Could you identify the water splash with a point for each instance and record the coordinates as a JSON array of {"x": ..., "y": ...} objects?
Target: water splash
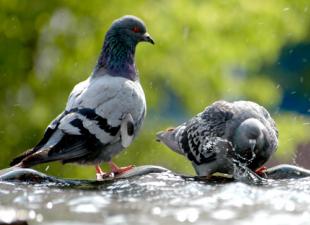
[{"x": 161, "y": 198}]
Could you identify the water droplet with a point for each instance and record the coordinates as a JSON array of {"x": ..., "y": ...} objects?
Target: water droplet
[
  {"x": 85, "y": 208},
  {"x": 7, "y": 215},
  {"x": 223, "y": 214},
  {"x": 301, "y": 79},
  {"x": 32, "y": 214},
  {"x": 46, "y": 168},
  {"x": 189, "y": 214},
  {"x": 156, "y": 211},
  {"x": 289, "y": 206},
  {"x": 49, "y": 205},
  {"x": 39, "y": 218}
]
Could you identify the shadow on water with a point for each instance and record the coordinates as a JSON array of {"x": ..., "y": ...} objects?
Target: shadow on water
[{"x": 156, "y": 197}]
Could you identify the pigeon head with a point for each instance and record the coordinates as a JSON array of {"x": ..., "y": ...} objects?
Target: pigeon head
[
  {"x": 169, "y": 137},
  {"x": 131, "y": 30},
  {"x": 249, "y": 137},
  {"x": 118, "y": 52}
]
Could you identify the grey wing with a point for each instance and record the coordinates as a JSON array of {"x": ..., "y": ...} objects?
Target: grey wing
[
  {"x": 271, "y": 122},
  {"x": 198, "y": 138},
  {"x": 216, "y": 156},
  {"x": 111, "y": 99},
  {"x": 197, "y": 145},
  {"x": 50, "y": 130},
  {"x": 80, "y": 130},
  {"x": 216, "y": 147},
  {"x": 273, "y": 134},
  {"x": 86, "y": 132},
  {"x": 79, "y": 136},
  {"x": 216, "y": 116}
]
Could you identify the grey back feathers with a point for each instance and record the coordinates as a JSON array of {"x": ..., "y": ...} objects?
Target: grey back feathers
[{"x": 247, "y": 126}]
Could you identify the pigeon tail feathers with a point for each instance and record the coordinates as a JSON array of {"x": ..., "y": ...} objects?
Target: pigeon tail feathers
[{"x": 16, "y": 161}]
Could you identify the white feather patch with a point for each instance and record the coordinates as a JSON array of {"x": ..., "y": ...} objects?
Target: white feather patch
[
  {"x": 126, "y": 137},
  {"x": 67, "y": 127}
]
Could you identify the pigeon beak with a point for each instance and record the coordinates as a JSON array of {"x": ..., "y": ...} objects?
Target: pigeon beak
[
  {"x": 147, "y": 38},
  {"x": 159, "y": 136},
  {"x": 252, "y": 143}
]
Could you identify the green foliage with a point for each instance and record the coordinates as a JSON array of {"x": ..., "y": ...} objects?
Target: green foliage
[{"x": 205, "y": 51}]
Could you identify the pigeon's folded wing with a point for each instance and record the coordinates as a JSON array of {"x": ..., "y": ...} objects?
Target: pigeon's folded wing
[{"x": 90, "y": 121}]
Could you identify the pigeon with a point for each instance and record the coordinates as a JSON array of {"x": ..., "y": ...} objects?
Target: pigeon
[
  {"x": 104, "y": 113},
  {"x": 223, "y": 134}
]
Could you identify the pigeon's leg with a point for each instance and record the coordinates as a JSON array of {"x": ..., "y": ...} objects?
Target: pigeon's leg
[
  {"x": 100, "y": 174},
  {"x": 261, "y": 170},
  {"x": 119, "y": 170}
]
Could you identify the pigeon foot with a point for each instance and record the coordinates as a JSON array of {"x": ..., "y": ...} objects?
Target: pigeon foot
[
  {"x": 261, "y": 171},
  {"x": 119, "y": 170},
  {"x": 100, "y": 175}
]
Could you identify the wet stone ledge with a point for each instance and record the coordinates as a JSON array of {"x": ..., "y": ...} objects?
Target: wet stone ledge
[{"x": 31, "y": 176}]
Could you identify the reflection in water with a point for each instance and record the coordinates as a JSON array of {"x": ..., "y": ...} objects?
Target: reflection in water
[{"x": 159, "y": 199}]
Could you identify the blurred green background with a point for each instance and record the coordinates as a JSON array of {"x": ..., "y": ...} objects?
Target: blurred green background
[{"x": 205, "y": 51}]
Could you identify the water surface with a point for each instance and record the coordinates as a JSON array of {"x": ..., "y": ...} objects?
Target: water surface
[{"x": 159, "y": 198}]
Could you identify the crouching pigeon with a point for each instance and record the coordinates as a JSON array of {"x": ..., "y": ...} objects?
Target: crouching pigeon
[
  {"x": 103, "y": 113},
  {"x": 240, "y": 131}
]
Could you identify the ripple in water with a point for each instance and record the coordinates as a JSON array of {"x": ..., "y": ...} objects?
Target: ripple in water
[{"x": 159, "y": 199}]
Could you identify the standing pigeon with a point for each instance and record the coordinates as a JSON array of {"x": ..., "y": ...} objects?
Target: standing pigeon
[
  {"x": 103, "y": 113},
  {"x": 240, "y": 131}
]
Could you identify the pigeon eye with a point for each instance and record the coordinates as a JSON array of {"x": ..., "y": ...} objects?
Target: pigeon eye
[{"x": 136, "y": 29}]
